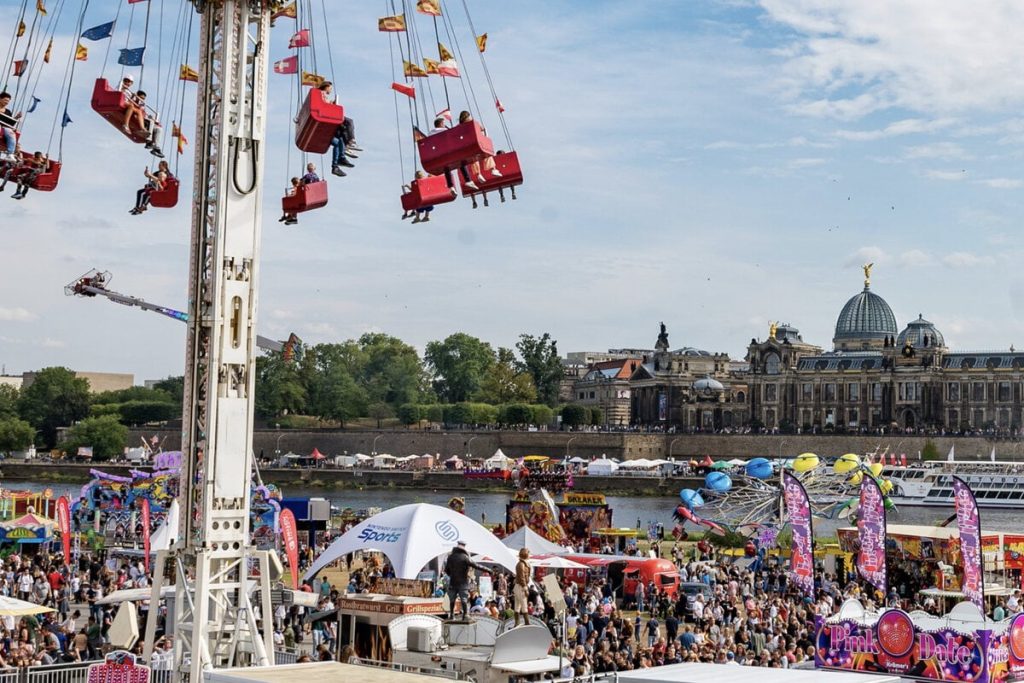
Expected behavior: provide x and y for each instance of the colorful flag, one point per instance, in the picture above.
(408, 90)
(444, 53)
(431, 7)
(49, 52)
(430, 65)
(449, 68)
(798, 509)
(35, 103)
(312, 79)
(131, 56)
(132, 2)
(64, 525)
(969, 522)
(187, 73)
(871, 529)
(145, 532)
(19, 66)
(182, 140)
(414, 70)
(481, 42)
(300, 39)
(290, 538)
(395, 23)
(499, 106)
(99, 32)
(288, 10)
(418, 134)
(81, 53)
(21, 29)
(63, 124)
(444, 114)
(288, 65)
(40, 7)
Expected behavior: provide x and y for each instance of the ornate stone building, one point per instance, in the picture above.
(876, 376)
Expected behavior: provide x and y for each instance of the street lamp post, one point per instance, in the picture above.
(571, 439)
(373, 449)
(469, 446)
(671, 444)
(781, 444)
(277, 446)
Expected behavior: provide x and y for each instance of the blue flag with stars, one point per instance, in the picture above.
(99, 32)
(35, 103)
(66, 120)
(131, 56)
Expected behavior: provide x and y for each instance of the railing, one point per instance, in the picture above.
(412, 669)
(75, 672)
(280, 657)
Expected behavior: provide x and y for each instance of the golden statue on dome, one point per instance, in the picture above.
(867, 274)
(773, 327)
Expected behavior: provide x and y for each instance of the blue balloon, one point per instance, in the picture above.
(759, 468)
(718, 481)
(691, 498)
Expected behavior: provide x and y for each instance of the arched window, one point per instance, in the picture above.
(740, 397)
(772, 364)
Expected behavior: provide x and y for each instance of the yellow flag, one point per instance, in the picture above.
(431, 7)
(40, 7)
(395, 23)
(187, 73)
(311, 79)
(81, 53)
(444, 53)
(21, 29)
(288, 10)
(414, 70)
(481, 42)
(49, 51)
(430, 65)
(182, 140)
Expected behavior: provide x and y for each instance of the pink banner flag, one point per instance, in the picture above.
(64, 524)
(145, 531)
(798, 509)
(290, 537)
(969, 522)
(871, 528)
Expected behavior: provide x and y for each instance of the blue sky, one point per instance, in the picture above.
(715, 165)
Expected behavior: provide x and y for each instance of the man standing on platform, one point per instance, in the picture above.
(457, 568)
(520, 592)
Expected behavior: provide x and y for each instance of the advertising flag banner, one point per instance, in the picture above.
(145, 531)
(798, 510)
(290, 536)
(64, 524)
(392, 23)
(969, 522)
(871, 532)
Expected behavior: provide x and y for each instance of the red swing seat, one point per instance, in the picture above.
(465, 143)
(317, 122)
(166, 198)
(47, 180)
(112, 105)
(306, 198)
(425, 192)
(506, 163)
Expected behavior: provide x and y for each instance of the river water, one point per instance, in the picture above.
(627, 510)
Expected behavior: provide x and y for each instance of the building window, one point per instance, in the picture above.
(591, 394)
(876, 392)
(772, 364)
(830, 391)
(740, 397)
(954, 419)
(853, 420)
(770, 393)
(953, 391)
(978, 391)
(853, 392)
(582, 395)
(979, 418)
(1004, 392)
(769, 419)
(909, 391)
(807, 392)
(1004, 418)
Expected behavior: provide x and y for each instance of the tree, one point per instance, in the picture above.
(8, 401)
(506, 382)
(106, 435)
(174, 386)
(930, 451)
(391, 370)
(596, 416)
(484, 414)
(336, 396)
(518, 414)
(459, 365)
(541, 414)
(540, 358)
(15, 435)
(56, 398)
(410, 413)
(574, 415)
(141, 412)
(133, 394)
(380, 411)
(434, 412)
(279, 388)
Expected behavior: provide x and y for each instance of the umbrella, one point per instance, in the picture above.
(12, 607)
(413, 535)
(556, 563)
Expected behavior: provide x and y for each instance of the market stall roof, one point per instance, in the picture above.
(317, 455)
(13, 607)
(413, 535)
(525, 537)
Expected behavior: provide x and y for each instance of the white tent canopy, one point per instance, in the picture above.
(498, 461)
(578, 460)
(602, 467)
(638, 464)
(525, 537)
(168, 531)
(556, 563)
(413, 535)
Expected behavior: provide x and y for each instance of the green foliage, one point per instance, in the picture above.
(930, 451)
(279, 388)
(133, 394)
(596, 416)
(517, 414)
(15, 435)
(485, 414)
(174, 386)
(459, 414)
(381, 411)
(731, 539)
(336, 396)
(98, 409)
(575, 415)
(8, 401)
(55, 399)
(541, 360)
(143, 412)
(410, 413)
(434, 413)
(506, 382)
(459, 365)
(541, 414)
(105, 434)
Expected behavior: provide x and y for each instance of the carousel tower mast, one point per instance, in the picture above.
(213, 563)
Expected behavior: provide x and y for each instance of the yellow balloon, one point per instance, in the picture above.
(805, 462)
(846, 463)
(876, 468)
(856, 478)
(886, 486)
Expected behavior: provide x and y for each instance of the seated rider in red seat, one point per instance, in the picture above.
(136, 110)
(439, 127)
(290, 218)
(156, 183)
(10, 140)
(422, 214)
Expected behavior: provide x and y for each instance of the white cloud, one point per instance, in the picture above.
(914, 258)
(864, 255)
(936, 150)
(966, 259)
(16, 314)
(806, 162)
(902, 127)
(1002, 183)
(944, 175)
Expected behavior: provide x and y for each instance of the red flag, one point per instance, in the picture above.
(288, 65)
(290, 537)
(448, 67)
(19, 66)
(497, 105)
(145, 531)
(132, 2)
(300, 39)
(64, 523)
(409, 90)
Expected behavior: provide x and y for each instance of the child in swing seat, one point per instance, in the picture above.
(291, 218)
(421, 215)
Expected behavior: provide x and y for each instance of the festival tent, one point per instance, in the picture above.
(638, 464)
(555, 563)
(317, 455)
(602, 467)
(12, 607)
(384, 461)
(362, 457)
(167, 534)
(498, 461)
(30, 528)
(453, 463)
(578, 461)
(525, 537)
(413, 535)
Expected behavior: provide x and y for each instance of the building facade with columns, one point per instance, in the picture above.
(878, 376)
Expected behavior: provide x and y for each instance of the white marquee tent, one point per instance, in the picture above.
(413, 535)
(602, 467)
(525, 537)
(498, 461)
